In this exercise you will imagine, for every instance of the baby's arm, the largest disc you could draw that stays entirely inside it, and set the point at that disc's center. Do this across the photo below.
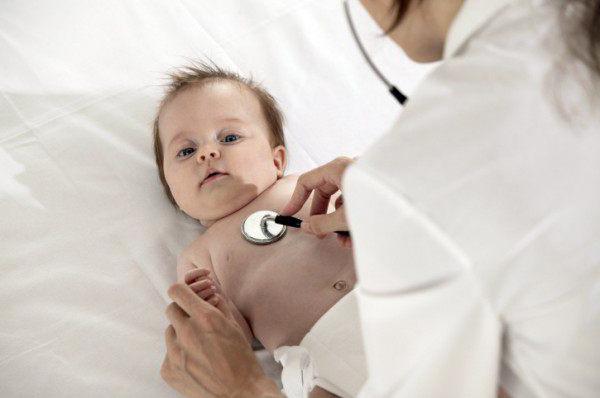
(190, 266)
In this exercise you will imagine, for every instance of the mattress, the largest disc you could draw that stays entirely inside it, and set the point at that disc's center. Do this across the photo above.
(87, 239)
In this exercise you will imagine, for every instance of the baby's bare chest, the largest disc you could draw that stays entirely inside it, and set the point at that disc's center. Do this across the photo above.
(293, 268)
(299, 264)
(284, 287)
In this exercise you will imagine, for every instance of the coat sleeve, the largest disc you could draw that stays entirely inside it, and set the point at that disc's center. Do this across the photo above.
(428, 329)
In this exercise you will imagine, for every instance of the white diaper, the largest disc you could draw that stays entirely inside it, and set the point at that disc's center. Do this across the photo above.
(331, 355)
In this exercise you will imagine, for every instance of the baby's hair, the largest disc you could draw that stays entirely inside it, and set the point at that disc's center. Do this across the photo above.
(196, 75)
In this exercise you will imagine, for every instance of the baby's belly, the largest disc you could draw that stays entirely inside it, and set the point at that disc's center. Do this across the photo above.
(286, 294)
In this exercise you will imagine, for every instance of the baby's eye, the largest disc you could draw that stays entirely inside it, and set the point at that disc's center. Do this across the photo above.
(184, 152)
(230, 138)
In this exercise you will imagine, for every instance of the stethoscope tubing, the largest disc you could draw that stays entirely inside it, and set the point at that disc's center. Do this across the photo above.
(398, 95)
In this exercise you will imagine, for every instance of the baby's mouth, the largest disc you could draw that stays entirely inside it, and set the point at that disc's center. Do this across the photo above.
(211, 177)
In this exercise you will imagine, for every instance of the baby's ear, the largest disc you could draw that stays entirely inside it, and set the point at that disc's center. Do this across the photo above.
(280, 159)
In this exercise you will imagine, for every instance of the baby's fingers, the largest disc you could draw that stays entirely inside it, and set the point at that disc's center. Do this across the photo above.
(194, 274)
(204, 288)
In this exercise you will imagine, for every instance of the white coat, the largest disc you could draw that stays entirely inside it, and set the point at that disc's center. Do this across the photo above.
(476, 219)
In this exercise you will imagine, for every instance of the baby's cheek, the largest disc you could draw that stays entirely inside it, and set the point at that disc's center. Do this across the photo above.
(179, 197)
(185, 203)
(177, 183)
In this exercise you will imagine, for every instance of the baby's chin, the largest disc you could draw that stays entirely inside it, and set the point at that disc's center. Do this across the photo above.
(230, 203)
(207, 219)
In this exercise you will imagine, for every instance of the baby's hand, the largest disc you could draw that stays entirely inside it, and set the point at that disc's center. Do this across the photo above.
(202, 284)
(210, 291)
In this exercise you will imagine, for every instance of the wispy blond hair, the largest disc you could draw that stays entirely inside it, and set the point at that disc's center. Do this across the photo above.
(198, 73)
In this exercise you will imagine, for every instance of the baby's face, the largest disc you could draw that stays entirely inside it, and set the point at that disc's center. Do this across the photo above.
(218, 126)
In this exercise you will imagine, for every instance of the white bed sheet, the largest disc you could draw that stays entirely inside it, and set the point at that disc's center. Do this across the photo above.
(87, 240)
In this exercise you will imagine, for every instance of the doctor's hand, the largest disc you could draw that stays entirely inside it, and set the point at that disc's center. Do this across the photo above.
(207, 353)
(324, 181)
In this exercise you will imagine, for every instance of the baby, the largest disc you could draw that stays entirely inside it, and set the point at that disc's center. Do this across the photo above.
(220, 151)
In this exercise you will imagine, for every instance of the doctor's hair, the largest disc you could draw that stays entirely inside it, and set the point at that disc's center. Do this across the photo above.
(580, 25)
(198, 74)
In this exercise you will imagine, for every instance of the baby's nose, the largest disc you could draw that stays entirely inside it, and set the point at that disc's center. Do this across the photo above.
(203, 155)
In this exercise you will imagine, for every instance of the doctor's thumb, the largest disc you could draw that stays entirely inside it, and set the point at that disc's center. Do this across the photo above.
(222, 306)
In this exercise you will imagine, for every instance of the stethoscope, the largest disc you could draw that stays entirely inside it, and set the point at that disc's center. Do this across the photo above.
(265, 226)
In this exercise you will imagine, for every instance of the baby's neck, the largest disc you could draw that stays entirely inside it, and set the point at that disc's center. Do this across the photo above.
(208, 223)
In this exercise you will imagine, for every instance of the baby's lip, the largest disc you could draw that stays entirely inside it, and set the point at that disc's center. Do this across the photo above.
(211, 173)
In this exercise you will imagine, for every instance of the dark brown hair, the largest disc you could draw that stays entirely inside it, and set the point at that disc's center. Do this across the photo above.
(581, 24)
(195, 75)
(581, 20)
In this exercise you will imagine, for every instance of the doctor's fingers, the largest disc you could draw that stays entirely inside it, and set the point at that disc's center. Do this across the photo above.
(307, 183)
(326, 178)
(182, 352)
(185, 348)
(322, 224)
(339, 201)
(199, 312)
(175, 356)
(174, 370)
(176, 316)
(320, 200)
(345, 241)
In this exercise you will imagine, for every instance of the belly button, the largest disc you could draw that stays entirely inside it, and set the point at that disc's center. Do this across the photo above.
(340, 285)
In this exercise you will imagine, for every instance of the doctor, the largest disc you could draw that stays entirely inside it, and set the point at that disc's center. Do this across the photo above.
(475, 222)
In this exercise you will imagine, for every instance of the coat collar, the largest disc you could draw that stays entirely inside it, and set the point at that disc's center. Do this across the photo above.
(473, 15)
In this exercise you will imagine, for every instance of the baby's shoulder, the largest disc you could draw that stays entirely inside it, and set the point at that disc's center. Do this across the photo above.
(288, 179)
(195, 255)
(199, 247)
(286, 183)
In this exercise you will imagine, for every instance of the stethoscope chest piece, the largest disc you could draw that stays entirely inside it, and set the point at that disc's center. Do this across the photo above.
(260, 228)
